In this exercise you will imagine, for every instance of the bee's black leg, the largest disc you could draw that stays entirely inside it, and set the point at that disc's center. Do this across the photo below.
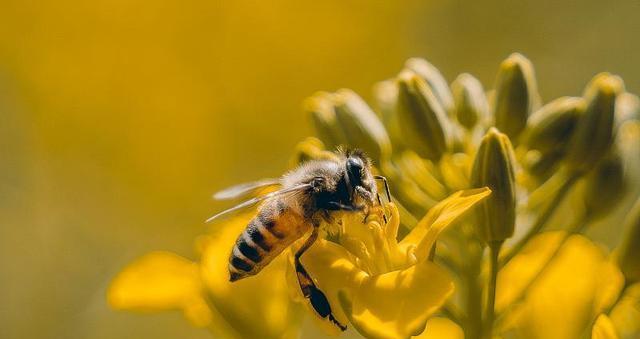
(309, 289)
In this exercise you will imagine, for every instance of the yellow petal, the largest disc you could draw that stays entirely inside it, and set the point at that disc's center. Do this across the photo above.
(626, 313)
(439, 217)
(257, 306)
(569, 294)
(334, 271)
(160, 281)
(399, 303)
(603, 328)
(441, 328)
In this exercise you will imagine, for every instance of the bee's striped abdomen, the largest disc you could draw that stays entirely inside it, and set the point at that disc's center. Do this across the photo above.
(274, 228)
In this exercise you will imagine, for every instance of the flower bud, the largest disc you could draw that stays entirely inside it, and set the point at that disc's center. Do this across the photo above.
(627, 108)
(593, 134)
(493, 168)
(324, 119)
(421, 116)
(434, 80)
(386, 97)
(516, 95)
(343, 118)
(550, 127)
(604, 186)
(470, 101)
(361, 125)
(629, 251)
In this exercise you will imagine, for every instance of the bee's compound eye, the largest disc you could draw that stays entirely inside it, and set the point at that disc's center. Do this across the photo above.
(317, 181)
(354, 165)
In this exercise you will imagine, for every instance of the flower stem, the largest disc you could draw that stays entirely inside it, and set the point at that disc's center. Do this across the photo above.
(494, 251)
(473, 328)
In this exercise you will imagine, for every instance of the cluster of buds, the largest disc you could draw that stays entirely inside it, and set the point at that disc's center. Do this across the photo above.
(497, 204)
(561, 166)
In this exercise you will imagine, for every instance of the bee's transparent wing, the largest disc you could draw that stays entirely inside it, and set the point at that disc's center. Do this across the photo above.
(256, 200)
(245, 189)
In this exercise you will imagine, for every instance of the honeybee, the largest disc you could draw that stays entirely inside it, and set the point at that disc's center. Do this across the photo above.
(308, 195)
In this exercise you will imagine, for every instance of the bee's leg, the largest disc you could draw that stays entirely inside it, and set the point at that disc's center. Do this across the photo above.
(309, 289)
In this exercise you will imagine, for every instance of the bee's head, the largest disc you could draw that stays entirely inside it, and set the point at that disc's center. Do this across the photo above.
(359, 178)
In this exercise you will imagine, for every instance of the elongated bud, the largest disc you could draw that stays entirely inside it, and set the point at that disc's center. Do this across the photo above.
(516, 95)
(604, 186)
(361, 125)
(323, 114)
(421, 117)
(627, 108)
(629, 251)
(386, 98)
(470, 101)
(343, 118)
(550, 127)
(493, 168)
(434, 80)
(593, 134)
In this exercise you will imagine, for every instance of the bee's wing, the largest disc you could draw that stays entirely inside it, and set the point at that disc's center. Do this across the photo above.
(245, 189)
(251, 202)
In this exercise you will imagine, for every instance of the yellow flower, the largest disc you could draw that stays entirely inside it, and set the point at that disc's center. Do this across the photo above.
(603, 328)
(256, 307)
(386, 288)
(578, 284)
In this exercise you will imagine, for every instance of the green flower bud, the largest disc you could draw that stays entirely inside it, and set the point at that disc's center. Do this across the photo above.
(361, 125)
(629, 251)
(343, 118)
(493, 168)
(470, 101)
(386, 97)
(627, 108)
(593, 134)
(516, 95)
(423, 121)
(434, 79)
(550, 127)
(324, 119)
(604, 186)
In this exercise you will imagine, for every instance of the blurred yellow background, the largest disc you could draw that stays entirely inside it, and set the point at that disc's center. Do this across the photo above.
(119, 118)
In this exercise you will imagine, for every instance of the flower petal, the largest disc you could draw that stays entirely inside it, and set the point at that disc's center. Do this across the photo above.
(399, 303)
(441, 328)
(439, 217)
(626, 313)
(161, 281)
(603, 328)
(334, 271)
(567, 296)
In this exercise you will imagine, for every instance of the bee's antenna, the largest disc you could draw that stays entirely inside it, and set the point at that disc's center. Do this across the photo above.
(384, 215)
(386, 185)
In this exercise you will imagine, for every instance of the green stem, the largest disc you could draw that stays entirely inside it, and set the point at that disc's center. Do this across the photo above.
(494, 251)
(540, 222)
(473, 326)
